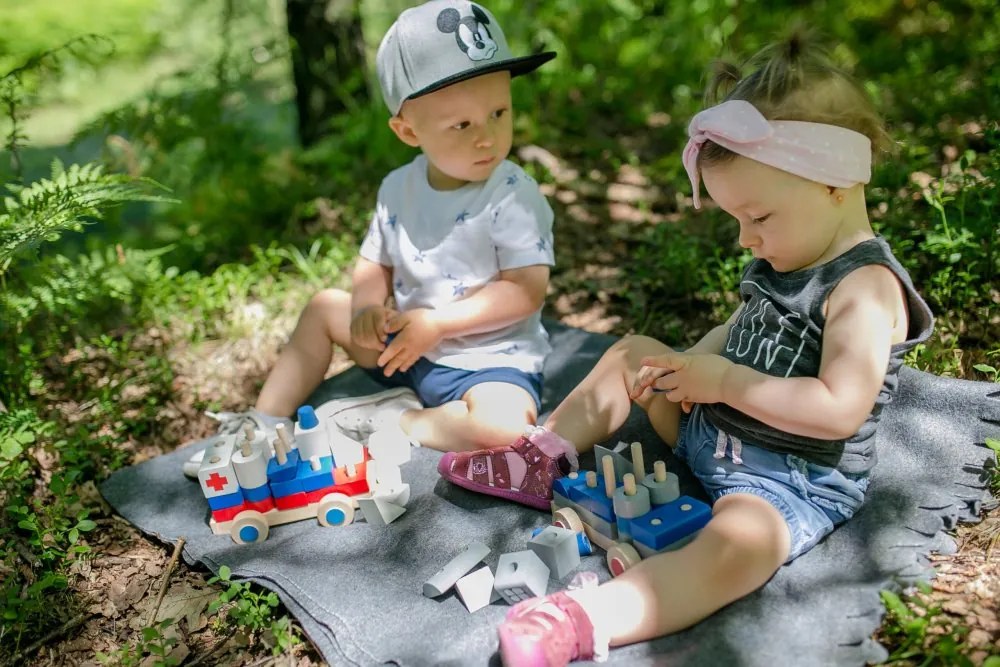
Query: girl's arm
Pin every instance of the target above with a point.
(865, 316)
(710, 343)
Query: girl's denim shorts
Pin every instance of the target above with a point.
(813, 499)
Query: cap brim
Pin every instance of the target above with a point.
(516, 67)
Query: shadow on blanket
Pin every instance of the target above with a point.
(356, 590)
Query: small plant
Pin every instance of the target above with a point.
(920, 630)
(994, 445)
(153, 648)
(992, 373)
(253, 611)
(51, 529)
(45, 209)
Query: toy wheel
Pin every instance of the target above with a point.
(249, 527)
(622, 556)
(335, 509)
(566, 517)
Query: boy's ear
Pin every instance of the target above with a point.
(404, 130)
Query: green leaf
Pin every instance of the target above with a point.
(894, 604)
(10, 448)
(86, 526)
(993, 444)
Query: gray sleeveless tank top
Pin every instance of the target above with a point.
(780, 333)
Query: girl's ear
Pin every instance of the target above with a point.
(404, 130)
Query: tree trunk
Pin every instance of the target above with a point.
(328, 62)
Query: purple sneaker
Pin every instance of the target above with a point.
(546, 632)
(522, 472)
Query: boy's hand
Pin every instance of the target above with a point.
(368, 327)
(417, 331)
(683, 378)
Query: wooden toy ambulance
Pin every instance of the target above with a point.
(251, 485)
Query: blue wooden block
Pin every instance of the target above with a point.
(609, 530)
(226, 501)
(666, 524)
(257, 494)
(563, 485)
(287, 487)
(312, 480)
(594, 500)
(624, 529)
(281, 473)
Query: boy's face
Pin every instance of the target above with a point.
(465, 130)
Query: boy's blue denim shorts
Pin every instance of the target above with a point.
(436, 385)
(812, 498)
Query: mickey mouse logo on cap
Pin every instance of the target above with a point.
(471, 32)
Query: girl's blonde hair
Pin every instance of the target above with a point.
(794, 79)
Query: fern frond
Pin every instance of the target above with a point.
(71, 198)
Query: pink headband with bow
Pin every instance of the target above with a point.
(827, 154)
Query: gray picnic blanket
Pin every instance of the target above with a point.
(356, 589)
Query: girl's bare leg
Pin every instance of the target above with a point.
(743, 545)
(600, 404)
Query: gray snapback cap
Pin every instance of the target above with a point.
(442, 42)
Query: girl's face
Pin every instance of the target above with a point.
(465, 130)
(791, 222)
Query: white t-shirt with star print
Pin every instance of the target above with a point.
(443, 246)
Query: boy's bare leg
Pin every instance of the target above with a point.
(743, 545)
(600, 404)
(302, 364)
(595, 409)
(491, 414)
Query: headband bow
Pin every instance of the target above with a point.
(827, 154)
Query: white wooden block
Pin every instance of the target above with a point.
(521, 575)
(379, 512)
(557, 547)
(476, 589)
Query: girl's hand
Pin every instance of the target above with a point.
(687, 378)
(368, 327)
(417, 331)
(652, 369)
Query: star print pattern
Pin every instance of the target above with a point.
(443, 247)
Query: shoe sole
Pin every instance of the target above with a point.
(193, 464)
(444, 470)
(330, 408)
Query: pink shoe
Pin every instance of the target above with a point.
(546, 632)
(522, 472)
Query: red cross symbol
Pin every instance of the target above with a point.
(216, 481)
